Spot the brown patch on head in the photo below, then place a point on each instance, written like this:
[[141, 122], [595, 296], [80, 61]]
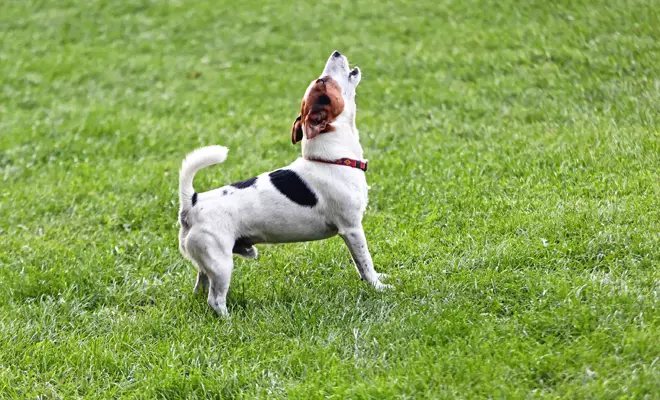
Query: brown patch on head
[[319, 109]]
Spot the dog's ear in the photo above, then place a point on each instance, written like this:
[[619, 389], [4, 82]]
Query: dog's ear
[[296, 130], [316, 114], [316, 122]]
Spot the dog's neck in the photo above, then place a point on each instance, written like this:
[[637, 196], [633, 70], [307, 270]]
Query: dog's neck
[[343, 142]]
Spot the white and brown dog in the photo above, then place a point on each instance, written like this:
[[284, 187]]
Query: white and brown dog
[[322, 194]]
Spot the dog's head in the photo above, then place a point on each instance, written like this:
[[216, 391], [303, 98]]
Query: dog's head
[[327, 99]]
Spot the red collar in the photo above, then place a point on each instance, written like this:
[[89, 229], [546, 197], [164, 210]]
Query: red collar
[[348, 162]]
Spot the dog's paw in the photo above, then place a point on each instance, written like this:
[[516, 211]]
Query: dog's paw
[[252, 252], [219, 309], [381, 287], [222, 312], [247, 252]]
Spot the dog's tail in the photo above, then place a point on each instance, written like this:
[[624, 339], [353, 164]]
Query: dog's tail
[[198, 159]]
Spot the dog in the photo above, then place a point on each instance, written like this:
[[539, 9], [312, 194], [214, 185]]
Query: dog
[[320, 195]]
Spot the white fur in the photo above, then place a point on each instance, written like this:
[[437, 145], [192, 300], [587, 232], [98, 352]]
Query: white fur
[[210, 228]]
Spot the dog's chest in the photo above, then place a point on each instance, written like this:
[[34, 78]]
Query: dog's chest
[[343, 189]]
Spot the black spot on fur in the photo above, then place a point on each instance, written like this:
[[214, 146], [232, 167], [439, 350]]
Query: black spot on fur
[[244, 184], [224, 192], [194, 199], [294, 188]]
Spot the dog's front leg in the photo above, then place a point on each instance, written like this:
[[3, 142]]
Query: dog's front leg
[[202, 282], [357, 244]]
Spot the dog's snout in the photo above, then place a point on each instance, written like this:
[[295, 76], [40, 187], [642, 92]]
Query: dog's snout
[[336, 54]]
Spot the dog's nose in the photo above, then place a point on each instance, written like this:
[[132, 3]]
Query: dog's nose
[[336, 54]]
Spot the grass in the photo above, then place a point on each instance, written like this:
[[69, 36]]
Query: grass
[[514, 164]]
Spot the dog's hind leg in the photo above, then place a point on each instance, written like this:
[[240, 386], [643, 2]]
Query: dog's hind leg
[[217, 265], [247, 252], [219, 271], [202, 281], [243, 247], [214, 259]]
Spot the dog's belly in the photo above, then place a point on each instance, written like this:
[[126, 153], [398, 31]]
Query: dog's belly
[[285, 231]]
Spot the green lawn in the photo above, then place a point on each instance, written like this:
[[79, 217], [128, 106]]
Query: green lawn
[[514, 152]]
